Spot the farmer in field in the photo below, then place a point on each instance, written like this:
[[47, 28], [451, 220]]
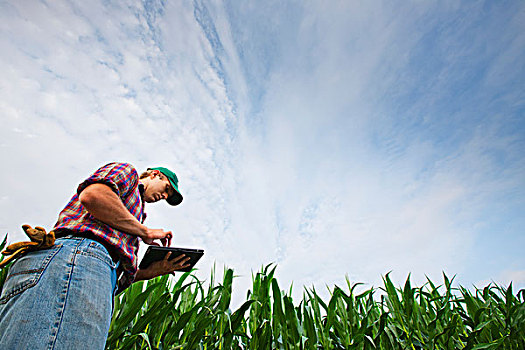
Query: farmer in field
[[61, 297]]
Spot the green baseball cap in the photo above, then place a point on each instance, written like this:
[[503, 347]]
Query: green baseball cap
[[176, 198]]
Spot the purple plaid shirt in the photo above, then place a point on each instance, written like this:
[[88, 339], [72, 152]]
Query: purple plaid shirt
[[123, 179]]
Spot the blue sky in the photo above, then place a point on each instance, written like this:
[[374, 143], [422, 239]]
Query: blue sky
[[332, 138]]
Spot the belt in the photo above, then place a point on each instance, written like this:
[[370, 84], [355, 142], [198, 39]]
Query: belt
[[111, 250]]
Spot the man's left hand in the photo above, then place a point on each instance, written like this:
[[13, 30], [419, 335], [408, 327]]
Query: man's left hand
[[163, 267]]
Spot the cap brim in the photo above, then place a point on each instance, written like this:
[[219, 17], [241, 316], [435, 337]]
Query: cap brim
[[175, 199]]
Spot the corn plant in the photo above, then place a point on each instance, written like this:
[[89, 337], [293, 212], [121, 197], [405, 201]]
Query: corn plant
[[3, 272]]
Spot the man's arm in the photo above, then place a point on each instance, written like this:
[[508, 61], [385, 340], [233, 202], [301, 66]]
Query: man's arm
[[104, 204]]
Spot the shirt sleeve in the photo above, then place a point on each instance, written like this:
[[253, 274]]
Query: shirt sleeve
[[122, 178]]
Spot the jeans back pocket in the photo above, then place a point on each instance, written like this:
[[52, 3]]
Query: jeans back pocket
[[25, 272]]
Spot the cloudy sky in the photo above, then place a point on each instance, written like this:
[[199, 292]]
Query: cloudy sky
[[333, 138]]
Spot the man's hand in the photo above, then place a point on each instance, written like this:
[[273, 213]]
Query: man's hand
[[163, 267], [153, 233]]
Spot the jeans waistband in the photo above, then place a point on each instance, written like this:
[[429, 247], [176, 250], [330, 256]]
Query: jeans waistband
[[69, 233]]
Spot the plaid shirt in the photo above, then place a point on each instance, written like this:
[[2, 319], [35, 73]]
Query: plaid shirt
[[123, 179]]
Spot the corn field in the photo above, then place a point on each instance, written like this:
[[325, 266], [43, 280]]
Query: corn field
[[163, 314], [186, 313]]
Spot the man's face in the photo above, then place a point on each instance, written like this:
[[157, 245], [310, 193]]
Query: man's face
[[157, 188]]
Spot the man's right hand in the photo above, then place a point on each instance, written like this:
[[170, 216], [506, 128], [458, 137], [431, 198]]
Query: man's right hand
[[153, 234]]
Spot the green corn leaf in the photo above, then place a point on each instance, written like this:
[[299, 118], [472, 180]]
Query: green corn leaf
[[226, 291], [392, 294], [482, 325], [370, 341], [130, 340], [183, 320], [278, 312], [237, 316], [181, 280], [155, 312], [4, 243], [130, 312], [492, 345], [200, 328], [5, 270], [291, 320], [309, 326]]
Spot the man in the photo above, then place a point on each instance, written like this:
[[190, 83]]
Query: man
[[62, 297]]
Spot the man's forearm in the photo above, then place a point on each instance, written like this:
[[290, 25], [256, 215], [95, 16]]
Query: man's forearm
[[142, 275]]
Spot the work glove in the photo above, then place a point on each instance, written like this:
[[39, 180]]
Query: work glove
[[40, 239]]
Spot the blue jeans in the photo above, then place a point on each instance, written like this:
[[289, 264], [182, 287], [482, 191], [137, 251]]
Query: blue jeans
[[59, 298]]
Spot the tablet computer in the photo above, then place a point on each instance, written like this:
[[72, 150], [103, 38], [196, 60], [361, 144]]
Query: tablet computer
[[155, 253]]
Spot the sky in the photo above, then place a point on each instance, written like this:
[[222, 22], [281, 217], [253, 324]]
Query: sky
[[334, 139]]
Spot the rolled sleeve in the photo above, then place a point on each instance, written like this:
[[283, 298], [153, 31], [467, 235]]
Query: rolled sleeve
[[120, 177]]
